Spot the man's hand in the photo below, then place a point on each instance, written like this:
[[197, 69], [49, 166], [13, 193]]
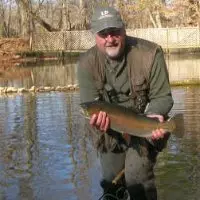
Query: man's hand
[[158, 133], [101, 121]]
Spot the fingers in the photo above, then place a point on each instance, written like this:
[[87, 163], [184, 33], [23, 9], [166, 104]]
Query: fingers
[[101, 121], [93, 119], [157, 134], [107, 124]]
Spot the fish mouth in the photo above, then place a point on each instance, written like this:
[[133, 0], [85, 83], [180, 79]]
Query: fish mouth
[[83, 111]]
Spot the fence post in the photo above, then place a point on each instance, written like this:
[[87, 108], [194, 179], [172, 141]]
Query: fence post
[[31, 41], [177, 36], [167, 39], [198, 35], [64, 45]]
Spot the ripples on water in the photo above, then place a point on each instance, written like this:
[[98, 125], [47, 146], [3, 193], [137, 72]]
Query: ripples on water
[[177, 171]]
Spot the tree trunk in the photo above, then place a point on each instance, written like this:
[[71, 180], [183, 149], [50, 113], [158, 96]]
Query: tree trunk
[[3, 27], [65, 15], [26, 15], [152, 19], [24, 8], [45, 25], [9, 20], [158, 21]]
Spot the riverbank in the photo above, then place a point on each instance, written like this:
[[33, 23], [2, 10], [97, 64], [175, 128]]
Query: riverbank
[[71, 88], [14, 51], [34, 89], [9, 47], [181, 50]]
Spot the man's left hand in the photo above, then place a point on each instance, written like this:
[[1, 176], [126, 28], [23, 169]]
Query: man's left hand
[[158, 133]]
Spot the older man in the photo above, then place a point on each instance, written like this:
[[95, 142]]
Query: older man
[[130, 72]]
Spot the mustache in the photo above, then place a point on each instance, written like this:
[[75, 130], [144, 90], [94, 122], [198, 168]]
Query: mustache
[[112, 45]]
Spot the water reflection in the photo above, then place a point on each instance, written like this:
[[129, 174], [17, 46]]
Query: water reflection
[[52, 73], [43, 153], [17, 138], [177, 171], [183, 67]]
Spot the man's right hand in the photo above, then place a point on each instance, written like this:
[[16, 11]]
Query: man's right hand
[[101, 121]]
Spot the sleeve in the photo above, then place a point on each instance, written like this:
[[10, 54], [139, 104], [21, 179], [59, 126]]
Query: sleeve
[[160, 97], [88, 91]]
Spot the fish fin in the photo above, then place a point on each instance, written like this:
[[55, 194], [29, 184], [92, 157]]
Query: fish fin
[[178, 121]]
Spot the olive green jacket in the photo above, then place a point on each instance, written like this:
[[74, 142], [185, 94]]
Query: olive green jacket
[[147, 72]]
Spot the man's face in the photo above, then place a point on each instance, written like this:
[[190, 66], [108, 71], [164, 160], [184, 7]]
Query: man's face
[[111, 42]]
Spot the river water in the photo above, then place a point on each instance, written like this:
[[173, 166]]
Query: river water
[[44, 153]]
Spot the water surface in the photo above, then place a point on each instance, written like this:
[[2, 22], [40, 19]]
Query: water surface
[[44, 153]]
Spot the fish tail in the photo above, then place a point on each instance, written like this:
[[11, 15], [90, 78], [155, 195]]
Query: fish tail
[[178, 122]]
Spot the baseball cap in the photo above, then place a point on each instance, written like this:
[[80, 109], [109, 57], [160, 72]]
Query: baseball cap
[[105, 17]]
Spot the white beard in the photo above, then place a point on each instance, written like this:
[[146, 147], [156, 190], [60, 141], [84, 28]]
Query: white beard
[[113, 52]]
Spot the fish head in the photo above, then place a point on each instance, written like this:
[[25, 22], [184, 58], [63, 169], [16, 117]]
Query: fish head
[[84, 109], [89, 108]]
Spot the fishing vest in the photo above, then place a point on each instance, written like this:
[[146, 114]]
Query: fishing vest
[[139, 58]]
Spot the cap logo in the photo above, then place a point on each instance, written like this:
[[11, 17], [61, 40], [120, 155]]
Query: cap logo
[[105, 14]]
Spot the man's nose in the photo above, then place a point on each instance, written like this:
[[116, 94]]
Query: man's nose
[[109, 38]]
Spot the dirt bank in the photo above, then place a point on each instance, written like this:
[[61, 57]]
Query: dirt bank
[[9, 47]]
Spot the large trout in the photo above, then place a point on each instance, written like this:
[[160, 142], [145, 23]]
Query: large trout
[[125, 120]]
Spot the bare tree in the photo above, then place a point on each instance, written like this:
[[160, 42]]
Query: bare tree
[[27, 16], [24, 9], [3, 27], [193, 11]]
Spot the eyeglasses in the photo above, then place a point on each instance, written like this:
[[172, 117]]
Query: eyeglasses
[[109, 31]]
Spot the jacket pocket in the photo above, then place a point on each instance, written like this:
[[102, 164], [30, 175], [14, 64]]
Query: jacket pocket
[[141, 94]]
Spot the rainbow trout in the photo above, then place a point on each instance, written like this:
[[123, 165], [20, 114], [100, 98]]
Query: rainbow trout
[[125, 120]]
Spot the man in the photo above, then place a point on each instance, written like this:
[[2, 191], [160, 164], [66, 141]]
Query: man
[[130, 72]]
